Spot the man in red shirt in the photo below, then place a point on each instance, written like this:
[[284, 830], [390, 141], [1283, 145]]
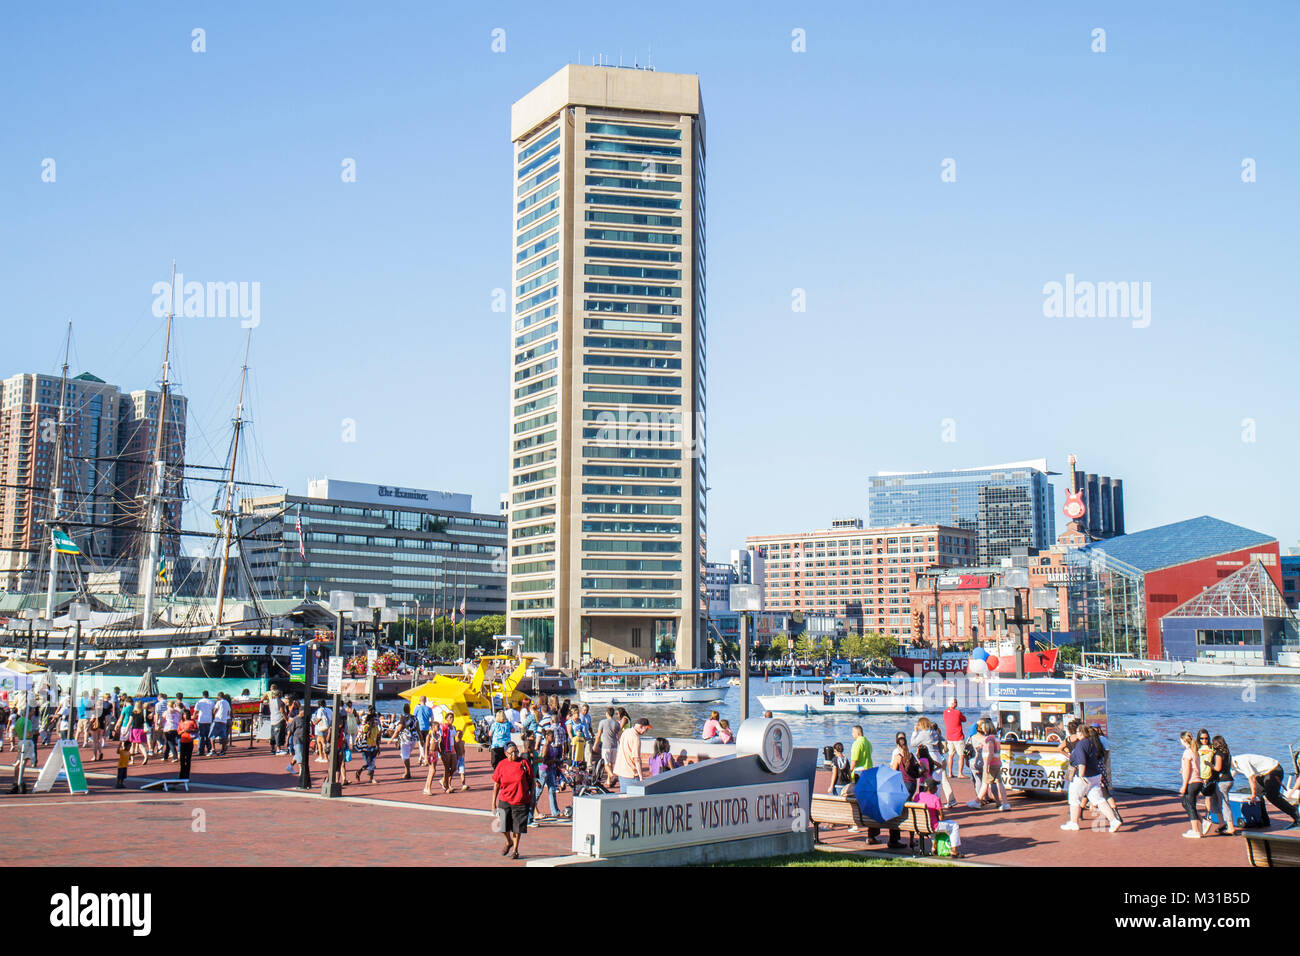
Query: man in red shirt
[[954, 737], [512, 795]]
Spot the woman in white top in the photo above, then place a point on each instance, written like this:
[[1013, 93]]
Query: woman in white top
[[926, 734], [1190, 768]]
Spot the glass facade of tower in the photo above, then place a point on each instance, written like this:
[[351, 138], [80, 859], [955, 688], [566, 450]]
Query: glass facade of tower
[[607, 466], [1008, 506]]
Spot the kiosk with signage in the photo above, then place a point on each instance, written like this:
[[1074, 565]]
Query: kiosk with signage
[[1031, 718]]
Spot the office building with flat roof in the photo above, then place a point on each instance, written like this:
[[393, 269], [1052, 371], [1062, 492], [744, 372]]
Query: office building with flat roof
[[719, 576], [1007, 506], [862, 576], [607, 367], [427, 550]]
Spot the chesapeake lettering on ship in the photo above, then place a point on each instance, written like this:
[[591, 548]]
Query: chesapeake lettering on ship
[[701, 816]]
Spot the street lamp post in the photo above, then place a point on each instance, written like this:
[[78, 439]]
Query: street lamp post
[[745, 599], [387, 615], [78, 612], [406, 610], [341, 602]]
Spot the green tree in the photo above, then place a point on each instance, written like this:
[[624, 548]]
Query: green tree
[[805, 648], [853, 647], [826, 648], [879, 647], [1069, 654]]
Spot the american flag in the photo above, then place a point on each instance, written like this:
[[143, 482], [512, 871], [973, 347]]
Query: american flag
[[462, 607], [298, 527]]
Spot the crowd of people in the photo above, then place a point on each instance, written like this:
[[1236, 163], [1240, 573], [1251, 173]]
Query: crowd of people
[[547, 746], [133, 726], [934, 754], [1208, 767], [561, 748]]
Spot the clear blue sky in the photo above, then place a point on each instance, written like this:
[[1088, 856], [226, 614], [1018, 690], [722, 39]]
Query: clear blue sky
[[924, 298]]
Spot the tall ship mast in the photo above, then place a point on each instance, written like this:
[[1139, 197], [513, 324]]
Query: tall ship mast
[[228, 514], [56, 483], [154, 500], [216, 643]]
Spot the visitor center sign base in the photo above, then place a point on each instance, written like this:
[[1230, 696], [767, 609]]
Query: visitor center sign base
[[746, 806]]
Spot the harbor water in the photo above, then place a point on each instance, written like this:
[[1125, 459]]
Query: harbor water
[[1145, 720]]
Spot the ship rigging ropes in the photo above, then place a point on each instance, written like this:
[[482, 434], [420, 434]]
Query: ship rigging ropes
[[84, 511]]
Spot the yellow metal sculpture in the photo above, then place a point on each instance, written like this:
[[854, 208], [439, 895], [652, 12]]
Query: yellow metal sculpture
[[495, 677]]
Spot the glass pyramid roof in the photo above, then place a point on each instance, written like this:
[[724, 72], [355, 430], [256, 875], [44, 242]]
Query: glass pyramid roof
[[1246, 592]]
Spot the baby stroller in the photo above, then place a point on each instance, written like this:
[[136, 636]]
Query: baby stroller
[[581, 781]]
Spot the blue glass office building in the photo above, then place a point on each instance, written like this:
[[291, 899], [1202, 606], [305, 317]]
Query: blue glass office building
[[1008, 506]]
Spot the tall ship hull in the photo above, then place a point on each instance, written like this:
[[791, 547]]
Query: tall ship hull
[[184, 662]]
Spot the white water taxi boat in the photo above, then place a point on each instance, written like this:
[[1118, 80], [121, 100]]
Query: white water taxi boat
[[850, 695], [652, 687]]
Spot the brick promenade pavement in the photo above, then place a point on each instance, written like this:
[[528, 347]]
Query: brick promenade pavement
[[253, 815]]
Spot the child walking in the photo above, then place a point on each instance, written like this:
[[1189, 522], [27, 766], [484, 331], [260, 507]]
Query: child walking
[[123, 761]]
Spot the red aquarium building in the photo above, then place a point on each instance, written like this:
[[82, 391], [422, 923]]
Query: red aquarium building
[[1119, 589]]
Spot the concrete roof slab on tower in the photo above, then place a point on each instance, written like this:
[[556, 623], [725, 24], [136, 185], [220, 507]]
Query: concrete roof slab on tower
[[606, 86]]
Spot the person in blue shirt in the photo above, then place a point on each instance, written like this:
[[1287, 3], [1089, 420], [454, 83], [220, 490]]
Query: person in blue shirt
[[1088, 758], [500, 738], [423, 721], [82, 733]]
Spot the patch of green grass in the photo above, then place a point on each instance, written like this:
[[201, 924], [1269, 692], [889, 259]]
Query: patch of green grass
[[819, 858]]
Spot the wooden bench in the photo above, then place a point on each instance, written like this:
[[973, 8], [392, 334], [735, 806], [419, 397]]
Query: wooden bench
[[1265, 848], [917, 824], [828, 808]]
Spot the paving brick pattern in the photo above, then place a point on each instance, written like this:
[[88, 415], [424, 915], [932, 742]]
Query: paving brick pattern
[[253, 815]]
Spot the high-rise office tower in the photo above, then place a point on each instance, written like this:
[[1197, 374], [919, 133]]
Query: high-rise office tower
[[137, 443], [107, 442], [607, 371], [1009, 505]]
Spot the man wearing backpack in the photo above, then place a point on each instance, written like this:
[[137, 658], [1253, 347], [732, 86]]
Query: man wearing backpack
[[423, 715], [840, 775], [321, 720]]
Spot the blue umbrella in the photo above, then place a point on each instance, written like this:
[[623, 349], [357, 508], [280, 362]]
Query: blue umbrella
[[881, 793]]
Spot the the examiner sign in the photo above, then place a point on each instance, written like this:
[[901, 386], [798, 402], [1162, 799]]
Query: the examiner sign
[[614, 825]]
